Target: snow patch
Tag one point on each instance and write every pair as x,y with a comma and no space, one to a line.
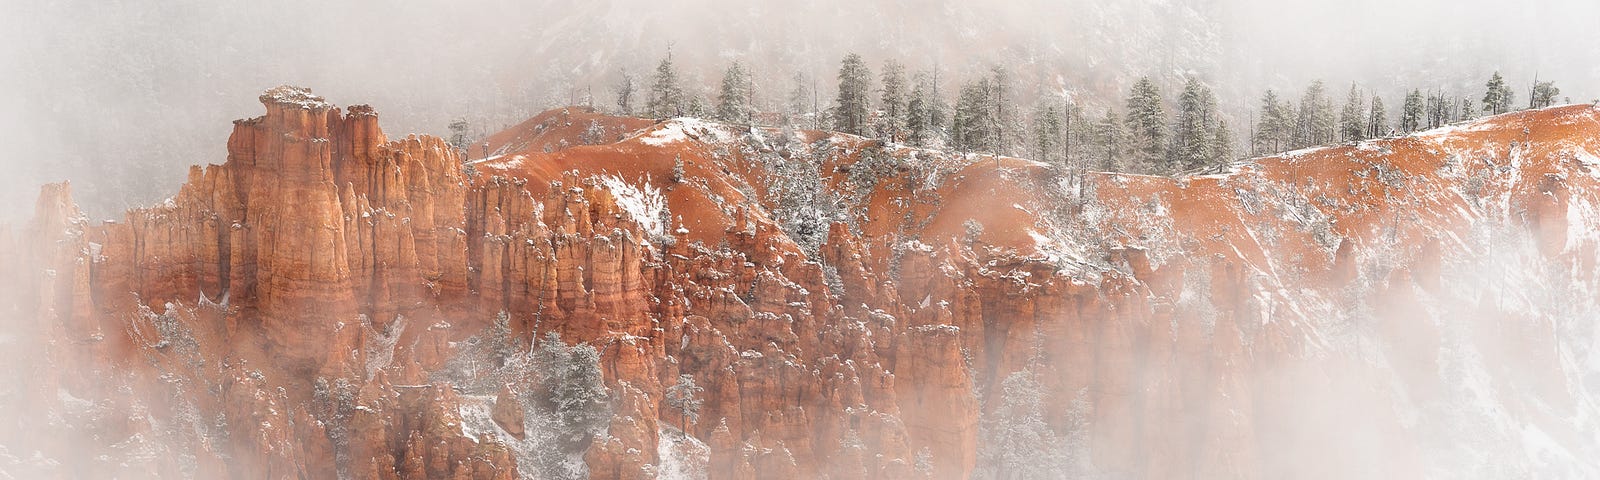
477,419
665,136
1589,162
644,203
683,457
939,328
1478,125
1040,241
1581,223
678,130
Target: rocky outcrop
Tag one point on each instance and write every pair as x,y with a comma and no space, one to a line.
331,303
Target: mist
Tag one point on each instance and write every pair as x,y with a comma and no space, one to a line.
120,98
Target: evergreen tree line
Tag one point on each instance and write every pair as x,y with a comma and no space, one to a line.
1149,135
1280,125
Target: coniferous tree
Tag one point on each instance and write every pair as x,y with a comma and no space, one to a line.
799,104
1047,134
893,101
459,134
1018,443
851,109
1411,114
1544,95
938,109
1002,113
1080,139
1377,119
1275,126
595,134
963,116
666,95
735,102
1193,131
918,122
1352,120
572,389
972,126
625,90
1146,125
1222,143
1497,97
1467,110
684,396
698,107
1113,142
1316,123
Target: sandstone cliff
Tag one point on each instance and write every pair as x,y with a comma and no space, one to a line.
319,305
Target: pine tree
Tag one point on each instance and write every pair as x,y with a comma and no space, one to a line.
734,103
1275,126
851,110
459,134
1411,114
573,389
1468,111
698,107
799,104
1080,139
1352,119
1113,142
971,128
1377,119
1221,143
1192,130
1047,134
666,96
1497,96
594,135
1316,123
625,90
684,396
1147,125
893,101
1544,95
918,121
1002,113
938,109
1018,442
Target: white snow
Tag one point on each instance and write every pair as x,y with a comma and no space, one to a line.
490,158
1589,161
672,133
1040,241
1581,223
678,130
682,457
1478,125
945,328
644,203
477,419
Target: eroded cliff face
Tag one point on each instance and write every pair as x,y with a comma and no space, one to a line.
319,305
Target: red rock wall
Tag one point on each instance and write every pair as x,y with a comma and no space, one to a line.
285,265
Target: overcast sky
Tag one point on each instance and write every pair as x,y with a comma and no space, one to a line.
120,97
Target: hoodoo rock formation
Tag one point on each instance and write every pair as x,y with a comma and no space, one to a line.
328,303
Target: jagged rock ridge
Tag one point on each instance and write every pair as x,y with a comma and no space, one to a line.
313,307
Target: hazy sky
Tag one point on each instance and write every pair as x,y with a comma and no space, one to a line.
121,96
